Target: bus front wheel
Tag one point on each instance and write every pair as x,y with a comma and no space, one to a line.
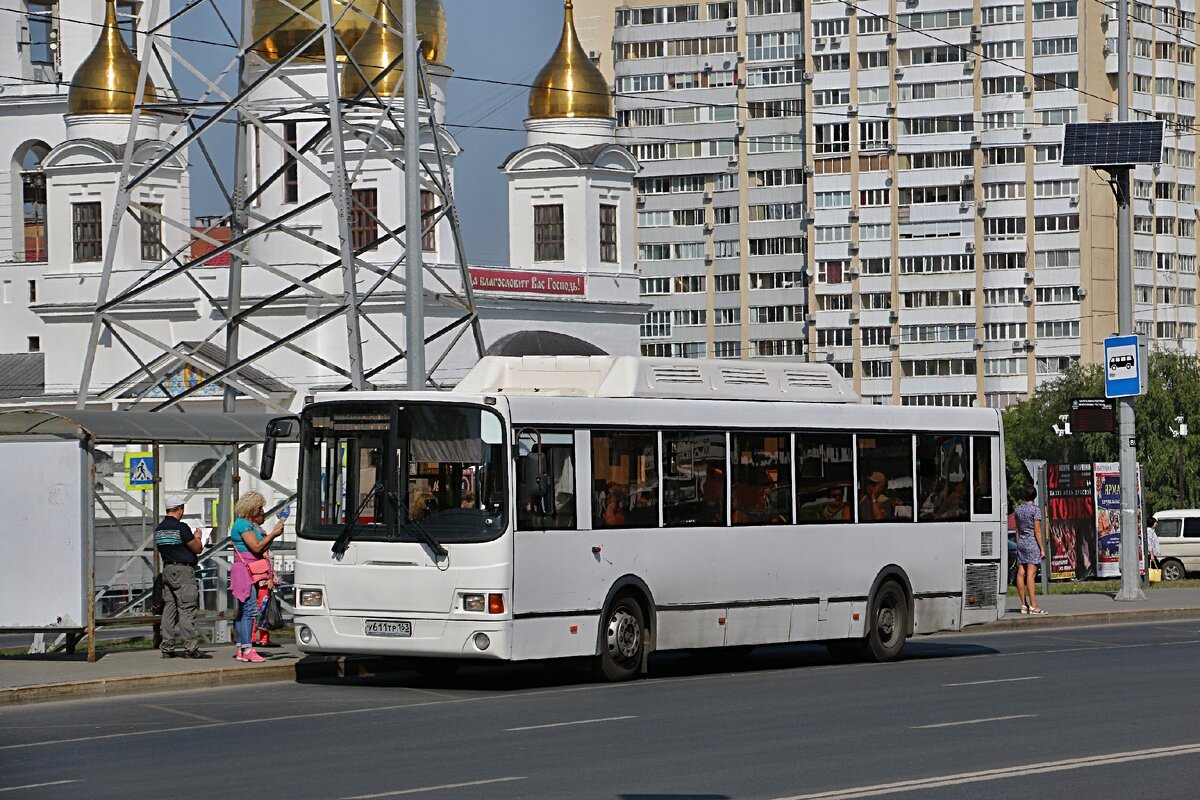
624,640
887,623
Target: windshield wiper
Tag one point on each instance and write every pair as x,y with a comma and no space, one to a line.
351,527
418,528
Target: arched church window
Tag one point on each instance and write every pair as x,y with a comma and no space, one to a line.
33,203
200,477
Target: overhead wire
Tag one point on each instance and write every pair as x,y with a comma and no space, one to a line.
673,101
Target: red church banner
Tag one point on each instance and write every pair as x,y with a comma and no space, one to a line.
535,283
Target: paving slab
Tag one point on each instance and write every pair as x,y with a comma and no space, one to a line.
40,678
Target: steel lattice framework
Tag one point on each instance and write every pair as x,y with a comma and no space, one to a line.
344,290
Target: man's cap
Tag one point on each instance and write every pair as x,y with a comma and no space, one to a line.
877,477
175,500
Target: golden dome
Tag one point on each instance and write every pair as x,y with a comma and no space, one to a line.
284,29
570,85
375,50
106,82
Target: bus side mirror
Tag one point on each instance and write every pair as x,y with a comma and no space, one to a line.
278,428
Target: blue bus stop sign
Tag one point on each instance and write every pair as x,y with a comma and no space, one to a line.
1124,367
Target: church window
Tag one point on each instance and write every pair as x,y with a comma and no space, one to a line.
85,232
364,227
291,170
608,234
429,209
548,233
151,229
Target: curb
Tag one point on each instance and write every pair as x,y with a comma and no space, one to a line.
1014,622
307,668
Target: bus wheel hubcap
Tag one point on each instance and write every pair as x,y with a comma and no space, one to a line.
624,635
887,624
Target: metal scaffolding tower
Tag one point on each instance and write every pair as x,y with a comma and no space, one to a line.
276,305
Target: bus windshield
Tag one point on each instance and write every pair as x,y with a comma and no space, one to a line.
402,471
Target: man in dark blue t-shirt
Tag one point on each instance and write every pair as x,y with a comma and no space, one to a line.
178,546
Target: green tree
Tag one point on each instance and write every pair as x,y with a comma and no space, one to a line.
1169,472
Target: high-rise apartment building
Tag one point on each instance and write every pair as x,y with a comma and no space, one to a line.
878,184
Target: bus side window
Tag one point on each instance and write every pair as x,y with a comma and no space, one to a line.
885,478
545,467
824,478
943,480
693,478
625,471
762,476
981,474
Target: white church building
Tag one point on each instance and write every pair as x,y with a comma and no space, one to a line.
63,142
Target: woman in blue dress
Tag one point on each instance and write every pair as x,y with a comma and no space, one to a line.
1030,550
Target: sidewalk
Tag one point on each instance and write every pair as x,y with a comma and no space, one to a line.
32,679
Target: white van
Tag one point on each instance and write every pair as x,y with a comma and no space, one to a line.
1178,542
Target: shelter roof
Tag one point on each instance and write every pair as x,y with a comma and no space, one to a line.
115,427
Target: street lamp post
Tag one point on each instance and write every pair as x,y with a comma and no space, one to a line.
1179,434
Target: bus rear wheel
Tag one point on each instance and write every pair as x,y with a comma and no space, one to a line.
624,640
887,623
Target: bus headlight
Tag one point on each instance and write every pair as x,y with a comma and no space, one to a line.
482,641
473,602
310,598
305,634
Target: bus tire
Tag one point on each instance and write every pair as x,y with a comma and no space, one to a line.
623,644
1173,570
887,622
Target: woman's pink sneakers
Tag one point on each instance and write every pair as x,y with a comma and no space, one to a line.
250,655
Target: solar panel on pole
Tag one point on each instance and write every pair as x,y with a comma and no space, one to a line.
1100,144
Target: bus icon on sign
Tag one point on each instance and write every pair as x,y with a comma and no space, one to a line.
1120,362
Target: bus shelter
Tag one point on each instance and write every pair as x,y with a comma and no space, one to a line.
81,493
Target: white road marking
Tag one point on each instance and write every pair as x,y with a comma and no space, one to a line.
399,792
189,714
971,721
1018,770
611,687
35,786
562,724
998,680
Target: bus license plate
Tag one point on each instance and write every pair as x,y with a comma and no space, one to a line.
387,627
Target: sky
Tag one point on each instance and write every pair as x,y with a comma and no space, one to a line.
496,40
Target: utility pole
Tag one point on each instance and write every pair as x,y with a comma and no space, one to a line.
414,268
1130,590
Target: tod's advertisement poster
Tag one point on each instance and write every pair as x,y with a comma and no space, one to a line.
1071,521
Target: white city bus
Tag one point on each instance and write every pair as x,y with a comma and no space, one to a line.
610,507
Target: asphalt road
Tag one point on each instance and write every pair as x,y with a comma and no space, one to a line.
1086,712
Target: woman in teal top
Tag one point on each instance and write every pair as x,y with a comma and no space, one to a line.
250,544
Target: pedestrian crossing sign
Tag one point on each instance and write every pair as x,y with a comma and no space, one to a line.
139,471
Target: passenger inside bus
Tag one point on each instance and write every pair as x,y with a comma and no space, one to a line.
752,500
874,504
615,505
836,508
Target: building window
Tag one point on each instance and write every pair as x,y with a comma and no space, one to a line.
608,234
151,226
32,292
291,170
548,234
35,344
85,232
33,198
364,227
429,210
